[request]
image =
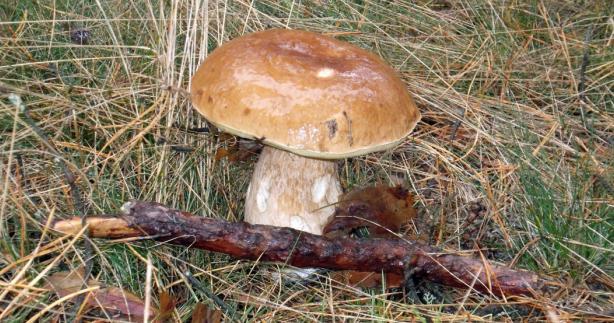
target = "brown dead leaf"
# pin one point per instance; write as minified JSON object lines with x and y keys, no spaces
{"x":118,"y":300}
{"x":167,"y":306}
{"x":203,"y":314}
{"x":111,"y":299}
{"x":221,"y":153}
{"x":240,"y":150}
{"x":65,"y":282}
{"x":381,"y":209}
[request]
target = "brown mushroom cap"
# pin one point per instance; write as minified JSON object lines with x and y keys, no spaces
{"x":304,"y":92}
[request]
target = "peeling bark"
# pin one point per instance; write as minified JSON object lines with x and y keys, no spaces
{"x":302,"y":249}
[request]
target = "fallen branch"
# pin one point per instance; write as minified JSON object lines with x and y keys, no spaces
{"x":301,"y":249}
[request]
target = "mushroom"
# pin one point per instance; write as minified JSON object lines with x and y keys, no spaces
{"x":310,"y":99}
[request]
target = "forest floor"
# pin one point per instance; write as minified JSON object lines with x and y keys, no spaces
{"x":513,"y":159}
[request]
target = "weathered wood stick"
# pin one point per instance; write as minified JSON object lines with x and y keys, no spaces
{"x":301,"y":249}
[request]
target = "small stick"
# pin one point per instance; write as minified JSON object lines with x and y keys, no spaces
{"x":456,"y":125}
{"x":301,"y":249}
{"x":148,"y":274}
{"x":75,"y":193}
{"x":585,"y":61}
{"x":583,"y":66}
{"x":219,"y":302}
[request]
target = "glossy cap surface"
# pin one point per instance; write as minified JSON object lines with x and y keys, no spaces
{"x":305,"y":93}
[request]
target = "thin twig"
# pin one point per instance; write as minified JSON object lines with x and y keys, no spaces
{"x":209,"y":293}
{"x":148,"y":275}
{"x":75,"y":193}
{"x":456,"y":124}
{"x":583,"y":66}
{"x":25,"y":183}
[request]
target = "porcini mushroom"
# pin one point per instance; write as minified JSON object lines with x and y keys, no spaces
{"x":310,"y":99}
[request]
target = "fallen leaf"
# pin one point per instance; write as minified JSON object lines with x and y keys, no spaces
{"x":380,"y":209}
{"x":68,"y":282}
{"x":221,"y":153}
{"x":118,"y":300}
{"x":239,"y":150}
{"x":203,"y":314}
{"x":111,"y":299}
{"x":167,"y":306}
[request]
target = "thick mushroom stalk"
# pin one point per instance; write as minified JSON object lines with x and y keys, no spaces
{"x":288,"y":190}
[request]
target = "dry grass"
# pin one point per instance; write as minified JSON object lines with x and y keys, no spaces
{"x":513,"y":156}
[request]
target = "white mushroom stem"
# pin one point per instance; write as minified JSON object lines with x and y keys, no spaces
{"x":289,"y":190}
